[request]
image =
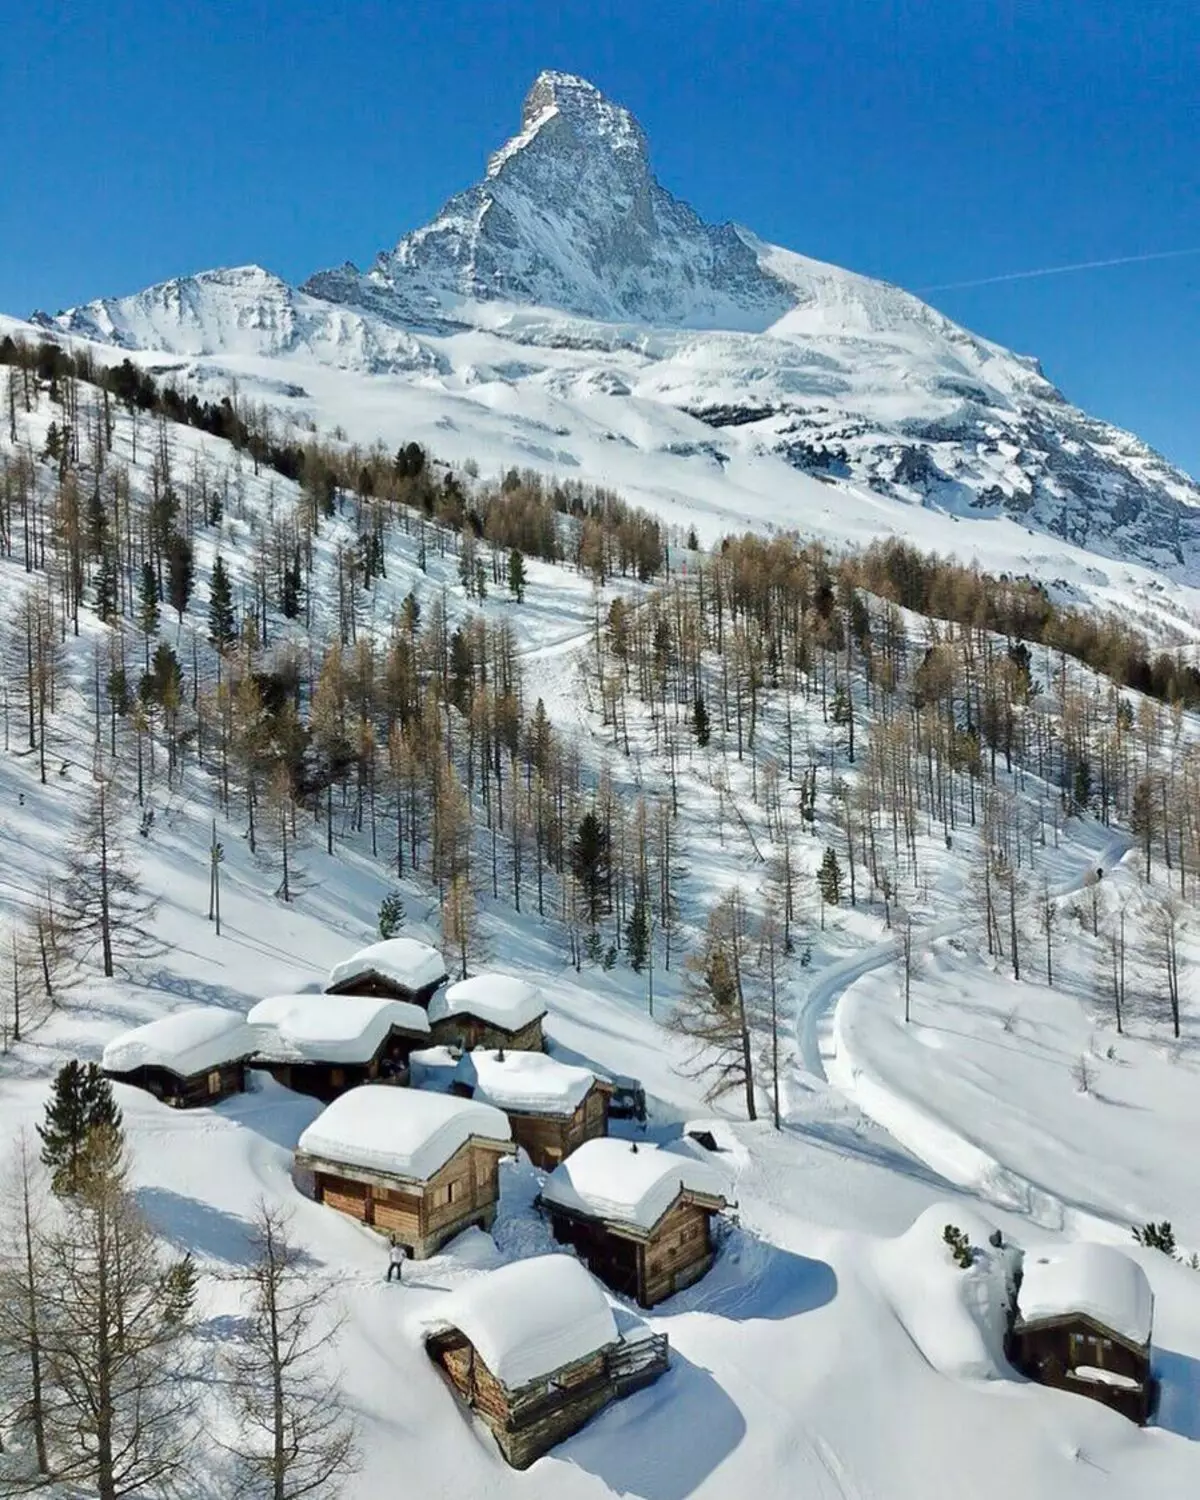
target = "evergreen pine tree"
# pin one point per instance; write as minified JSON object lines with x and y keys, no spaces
{"x":391,"y":914}
{"x":106,"y":588}
{"x":222,"y":626}
{"x":829,"y":878}
{"x":637,"y":933}
{"x":181,"y":571}
{"x":590,"y":865}
{"x":81,"y":1115}
{"x":701,"y":727}
{"x":516,"y":574}
{"x":148,"y":615}
{"x":293,"y":582}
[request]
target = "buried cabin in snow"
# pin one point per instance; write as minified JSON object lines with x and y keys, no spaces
{"x":489,"y":1010}
{"x":552,"y":1107}
{"x":395,"y":969}
{"x":533,"y":1349}
{"x":322,"y":1045}
{"x":191,"y":1057}
{"x":420,"y":1166}
{"x":639,"y":1215}
{"x":1082,"y":1322}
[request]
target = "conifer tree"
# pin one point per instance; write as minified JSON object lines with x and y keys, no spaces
{"x":148,"y":612}
{"x":637,"y":932}
{"x":81,"y":1104}
{"x":590,"y":866}
{"x":516,"y":574}
{"x":106,"y":588}
{"x":829,"y":878}
{"x":222,"y":626}
{"x":181,"y":571}
{"x":701,"y":727}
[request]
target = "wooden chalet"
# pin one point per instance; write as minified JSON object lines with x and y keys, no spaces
{"x":1082,"y":1322}
{"x":639,"y":1215}
{"x":191,"y":1057}
{"x":322,"y":1045}
{"x":552,"y":1107}
{"x":396,"y":969}
{"x":533,"y":1349}
{"x":422,"y":1167}
{"x":489,"y":1010}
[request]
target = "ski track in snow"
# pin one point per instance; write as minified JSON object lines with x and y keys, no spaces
{"x":933,"y":1139}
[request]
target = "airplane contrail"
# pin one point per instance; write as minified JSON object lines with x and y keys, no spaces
{"x":1082,"y":265}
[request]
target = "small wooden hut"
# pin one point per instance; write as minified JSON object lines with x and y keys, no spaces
{"x":191,"y":1057}
{"x":639,"y":1215}
{"x":396,"y":969}
{"x":322,"y":1046}
{"x":552,"y":1107}
{"x":533,"y":1349}
{"x":422,"y":1167}
{"x":489,"y":1010}
{"x":1082,"y":1322}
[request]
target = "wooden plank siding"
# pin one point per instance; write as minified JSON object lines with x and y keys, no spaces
{"x":469,"y":1032}
{"x":382,"y":988}
{"x":646,"y":1265}
{"x":532,"y":1419}
{"x":190,"y":1091}
{"x":547,"y":1139}
{"x":326,"y":1080}
{"x":422,"y":1215}
{"x":1049,"y":1351}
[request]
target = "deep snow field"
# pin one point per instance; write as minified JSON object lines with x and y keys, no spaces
{"x":834,"y":1351}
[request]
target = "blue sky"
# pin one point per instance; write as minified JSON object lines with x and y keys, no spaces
{"x":922,"y":142}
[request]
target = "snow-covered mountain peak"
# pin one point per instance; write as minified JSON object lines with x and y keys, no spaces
{"x":569,"y":215}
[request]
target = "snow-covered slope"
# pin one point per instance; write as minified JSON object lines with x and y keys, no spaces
{"x":570,"y":293}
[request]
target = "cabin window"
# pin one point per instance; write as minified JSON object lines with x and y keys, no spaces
{"x":214,"y":1081}
{"x":1088,"y":1348}
{"x":337,"y":1077}
{"x":449,"y":1192}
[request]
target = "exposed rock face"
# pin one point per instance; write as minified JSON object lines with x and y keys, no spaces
{"x":569,"y":244}
{"x":570,"y":216}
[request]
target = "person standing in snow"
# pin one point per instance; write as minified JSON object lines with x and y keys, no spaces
{"x":395,"y":1259}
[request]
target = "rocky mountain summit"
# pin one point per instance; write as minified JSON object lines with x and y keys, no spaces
{"x":568,"y":279}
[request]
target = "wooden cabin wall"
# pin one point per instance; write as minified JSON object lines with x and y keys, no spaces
{"x":381,"y":988}
{"x":469,"y":1033}
{"x":1044,"y":1353}
{"x":611,"y":1258}
{"x":192,"y":1091}
{"x":549,"y":1138}
{"x":679,"y":1253}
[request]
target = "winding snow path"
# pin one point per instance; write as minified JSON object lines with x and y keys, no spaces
{"x":933,"y":1139}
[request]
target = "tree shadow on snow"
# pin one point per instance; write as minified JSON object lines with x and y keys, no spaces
{"x":847,"y":1141}
{"x":189,"y":1224}
{"x":1178,"y":1409}
{"x":663,"y":1442}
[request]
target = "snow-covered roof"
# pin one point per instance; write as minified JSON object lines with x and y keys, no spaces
{"x":499,"y":999}
{"x":530,"y":1318}
{"x":185,"y":1042}
{"x":329,"y":1028}
{"x":526,"y":1082}
{"x":1096,"y":1280}
{"x":403,"y":1132}
{"x":612,"y":1179}
{"x":403,"y":961}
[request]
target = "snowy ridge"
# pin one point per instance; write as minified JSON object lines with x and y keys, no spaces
{"x":567,"y":313}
